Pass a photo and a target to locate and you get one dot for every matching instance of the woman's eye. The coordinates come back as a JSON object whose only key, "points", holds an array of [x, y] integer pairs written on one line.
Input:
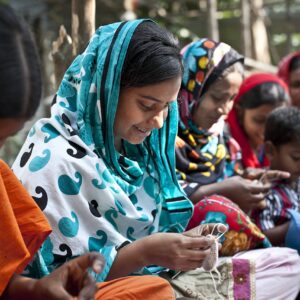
{"points": [[145, 107], [217, 99]]}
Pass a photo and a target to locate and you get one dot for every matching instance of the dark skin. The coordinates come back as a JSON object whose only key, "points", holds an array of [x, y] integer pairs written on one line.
{"points": [[177, 251], [65, 283], [277, 234], [285, 157], [247, 191]]}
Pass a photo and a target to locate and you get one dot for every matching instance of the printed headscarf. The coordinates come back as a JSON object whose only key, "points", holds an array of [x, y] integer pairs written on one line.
{"points": [[249, 157], [95, 198], [200, 155]]}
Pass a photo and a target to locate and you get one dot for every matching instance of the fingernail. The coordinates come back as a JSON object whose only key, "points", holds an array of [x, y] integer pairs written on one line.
{"points": [[98, 266]]}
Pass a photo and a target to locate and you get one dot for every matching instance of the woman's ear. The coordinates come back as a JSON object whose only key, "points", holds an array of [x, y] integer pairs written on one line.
{"points": [[270, 150]]}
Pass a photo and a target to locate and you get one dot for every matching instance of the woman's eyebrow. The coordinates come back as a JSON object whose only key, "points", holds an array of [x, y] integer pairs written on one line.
{"points": [[150, 98]]}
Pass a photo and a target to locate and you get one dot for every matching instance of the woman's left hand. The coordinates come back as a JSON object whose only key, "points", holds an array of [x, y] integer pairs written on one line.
{"points": [[206, 229]]}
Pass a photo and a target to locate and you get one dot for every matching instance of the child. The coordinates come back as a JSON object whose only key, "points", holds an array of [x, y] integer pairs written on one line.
{"points": [[282, 145]]}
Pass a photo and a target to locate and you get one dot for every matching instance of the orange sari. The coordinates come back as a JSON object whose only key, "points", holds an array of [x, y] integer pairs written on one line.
{"points": [[23, 226], [136, 287]]}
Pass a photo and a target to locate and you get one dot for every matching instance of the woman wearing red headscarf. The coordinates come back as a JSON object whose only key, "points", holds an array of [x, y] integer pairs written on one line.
{"points": [[289, 71], [258, 96]]}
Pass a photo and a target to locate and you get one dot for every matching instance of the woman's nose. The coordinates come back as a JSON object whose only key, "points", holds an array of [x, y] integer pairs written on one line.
{"points": [[225, 108], [157, 121]]}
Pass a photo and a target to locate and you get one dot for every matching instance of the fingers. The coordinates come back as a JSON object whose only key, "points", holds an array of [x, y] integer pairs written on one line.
{"points": [[253, 173], [191, 259], [92, 259], [216, 228], [213, 228], [272, 175], [89, 288], [258, 187], [197, 242]]}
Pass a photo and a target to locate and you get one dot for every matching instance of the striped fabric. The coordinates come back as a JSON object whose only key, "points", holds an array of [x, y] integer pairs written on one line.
{"points": [[281, 198]]}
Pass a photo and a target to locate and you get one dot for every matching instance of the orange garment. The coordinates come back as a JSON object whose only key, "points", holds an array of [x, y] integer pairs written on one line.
{"points": [[23, 226], [136, 287]]}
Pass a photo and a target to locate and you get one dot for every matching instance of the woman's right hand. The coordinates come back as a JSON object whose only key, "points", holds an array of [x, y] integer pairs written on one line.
{"points": [[182, 252], [248, 194]]}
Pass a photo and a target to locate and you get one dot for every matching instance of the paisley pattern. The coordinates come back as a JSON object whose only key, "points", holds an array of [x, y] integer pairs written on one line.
{"points": [[94, 198]]}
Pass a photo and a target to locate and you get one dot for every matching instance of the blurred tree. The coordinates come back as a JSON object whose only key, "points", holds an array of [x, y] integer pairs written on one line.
{"points": [[65, 48], [278, 22]]}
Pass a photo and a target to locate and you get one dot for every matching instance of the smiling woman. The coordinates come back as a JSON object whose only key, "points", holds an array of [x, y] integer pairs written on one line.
{"points": [[142, 109]]}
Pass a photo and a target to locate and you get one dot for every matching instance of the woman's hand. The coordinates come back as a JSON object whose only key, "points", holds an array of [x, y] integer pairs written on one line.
{"points": [[182, 252], [71, 279], [68, 281], [265, 175], [248, 194]]}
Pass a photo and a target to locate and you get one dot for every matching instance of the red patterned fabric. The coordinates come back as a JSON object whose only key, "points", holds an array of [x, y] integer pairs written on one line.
{"points": [[249, 158], [242, 233]]}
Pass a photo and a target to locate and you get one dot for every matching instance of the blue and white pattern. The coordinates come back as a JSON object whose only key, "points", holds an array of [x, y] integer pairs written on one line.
{"points": [[94, 198]]}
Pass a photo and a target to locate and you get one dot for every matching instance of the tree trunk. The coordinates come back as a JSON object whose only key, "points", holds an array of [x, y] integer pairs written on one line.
{"points": [[65, 48], [213, 29], [259, 33], [246, 28], [61, 54], [83, 23], [289, 26]]}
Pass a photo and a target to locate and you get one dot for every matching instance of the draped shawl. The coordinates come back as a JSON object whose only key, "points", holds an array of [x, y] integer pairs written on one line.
{"points": [[95, 198], [206, 155], [249, 157]]}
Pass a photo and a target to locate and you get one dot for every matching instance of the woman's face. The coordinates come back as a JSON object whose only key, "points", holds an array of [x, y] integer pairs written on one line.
{"points": [[294, 87], [142, 109], [9, 127], [217, 101], [254, 121]]}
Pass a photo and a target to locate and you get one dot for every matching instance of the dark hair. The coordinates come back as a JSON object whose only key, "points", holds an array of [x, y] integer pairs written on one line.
{"points": [[283, 126], [294, 64], [153, 56], [20, 75], [265, 93]]}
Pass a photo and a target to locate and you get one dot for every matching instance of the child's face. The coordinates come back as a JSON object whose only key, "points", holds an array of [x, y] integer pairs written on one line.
{"points": [[254, 121], [286, 158]]}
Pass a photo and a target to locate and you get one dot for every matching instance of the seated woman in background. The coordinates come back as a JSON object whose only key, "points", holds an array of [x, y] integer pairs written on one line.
{"points": [[258, 96], [23, 225], [289, 71], [280, 219], [105, 163], [208, 161]]}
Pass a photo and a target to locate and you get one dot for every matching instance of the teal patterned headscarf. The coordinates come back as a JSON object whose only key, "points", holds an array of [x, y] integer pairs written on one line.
{"points": [[95, 198]]}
